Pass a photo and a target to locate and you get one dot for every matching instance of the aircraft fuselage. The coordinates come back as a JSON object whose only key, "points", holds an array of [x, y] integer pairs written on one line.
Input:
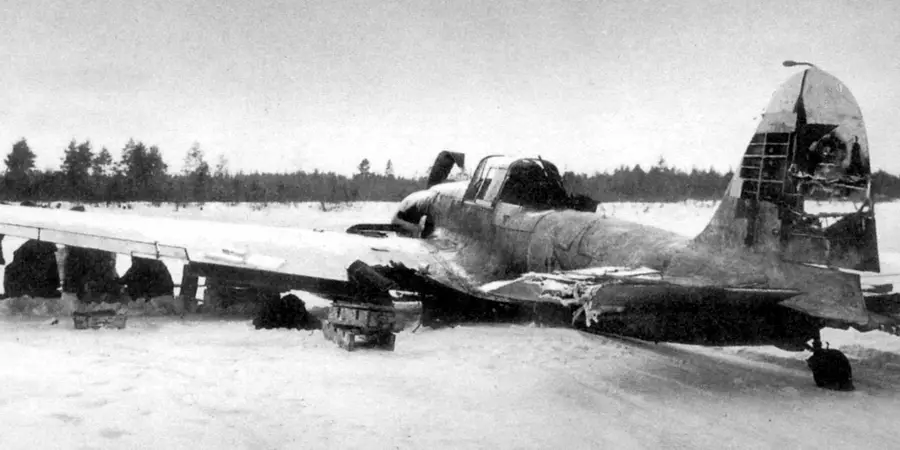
{"points": [[505, 241], [529, 240]]}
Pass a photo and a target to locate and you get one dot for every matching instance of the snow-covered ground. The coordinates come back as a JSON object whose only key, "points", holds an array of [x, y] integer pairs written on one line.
{"points": [[205, 382]]}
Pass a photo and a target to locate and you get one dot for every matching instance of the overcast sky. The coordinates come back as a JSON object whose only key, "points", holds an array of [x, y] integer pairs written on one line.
{"points": [[288, 85]]}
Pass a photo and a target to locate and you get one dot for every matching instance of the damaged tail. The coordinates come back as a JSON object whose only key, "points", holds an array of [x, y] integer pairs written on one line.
{"points": [[803, 187]]}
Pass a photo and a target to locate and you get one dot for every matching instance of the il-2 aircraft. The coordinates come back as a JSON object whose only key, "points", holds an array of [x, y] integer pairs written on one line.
{"points": [[770, 268]]}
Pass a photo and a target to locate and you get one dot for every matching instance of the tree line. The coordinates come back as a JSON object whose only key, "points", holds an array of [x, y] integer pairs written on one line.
{"points": [[140, 174]]}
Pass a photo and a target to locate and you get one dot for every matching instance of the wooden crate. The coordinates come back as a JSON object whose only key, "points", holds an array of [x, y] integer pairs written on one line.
{"points": [[354, 325], [366, 317]]}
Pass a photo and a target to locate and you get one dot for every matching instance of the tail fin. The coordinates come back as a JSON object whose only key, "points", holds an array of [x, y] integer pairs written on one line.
{"points": [[803, 187]]}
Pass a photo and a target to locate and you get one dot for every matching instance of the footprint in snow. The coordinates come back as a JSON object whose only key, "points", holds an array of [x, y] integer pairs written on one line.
{"points": [[68, 419], [113, 433]]}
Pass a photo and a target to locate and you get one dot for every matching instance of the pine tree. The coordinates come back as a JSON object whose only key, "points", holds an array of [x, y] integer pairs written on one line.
{"points": [[197, 173], [144, 171], [19, 167], [102, 164], [21, 159], [76, 169], [364, 167]]}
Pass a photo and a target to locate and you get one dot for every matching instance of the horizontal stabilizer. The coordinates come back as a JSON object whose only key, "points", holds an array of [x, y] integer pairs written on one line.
{"points": [[884, 312]]}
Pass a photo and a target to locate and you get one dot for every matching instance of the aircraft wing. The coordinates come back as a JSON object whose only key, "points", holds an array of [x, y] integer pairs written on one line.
{"points": [[297, 258], [294, 258]]}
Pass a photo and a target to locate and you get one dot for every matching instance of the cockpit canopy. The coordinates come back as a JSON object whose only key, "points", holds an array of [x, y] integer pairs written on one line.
{"points": [[529, 182]]}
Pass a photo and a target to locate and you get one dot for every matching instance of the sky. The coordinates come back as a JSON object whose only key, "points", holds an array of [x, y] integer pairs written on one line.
{"points": [[303, 85]]}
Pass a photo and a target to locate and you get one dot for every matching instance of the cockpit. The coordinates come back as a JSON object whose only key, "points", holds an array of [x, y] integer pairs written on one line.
{"points": [[528, 182]]}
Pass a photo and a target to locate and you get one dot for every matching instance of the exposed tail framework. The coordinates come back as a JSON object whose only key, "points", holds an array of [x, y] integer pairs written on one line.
{"points": [[803, 188]]}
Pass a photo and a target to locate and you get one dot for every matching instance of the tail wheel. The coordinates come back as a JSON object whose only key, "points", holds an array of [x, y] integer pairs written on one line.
{"points": [[831, 368]]}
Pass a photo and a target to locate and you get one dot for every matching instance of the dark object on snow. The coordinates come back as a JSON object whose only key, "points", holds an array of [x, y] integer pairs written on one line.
{"points": [[147, 278], [90, 273], [284, 312], [369, 314], [348, 321], [369, 286], [33, 271], [99, 319], [831, 369]]}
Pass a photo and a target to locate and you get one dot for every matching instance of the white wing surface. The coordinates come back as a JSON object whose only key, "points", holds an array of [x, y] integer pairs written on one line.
{"points": [[309, 253]]}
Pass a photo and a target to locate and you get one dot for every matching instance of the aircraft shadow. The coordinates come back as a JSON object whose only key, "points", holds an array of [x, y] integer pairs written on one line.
{"points": [[673, 369]]}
